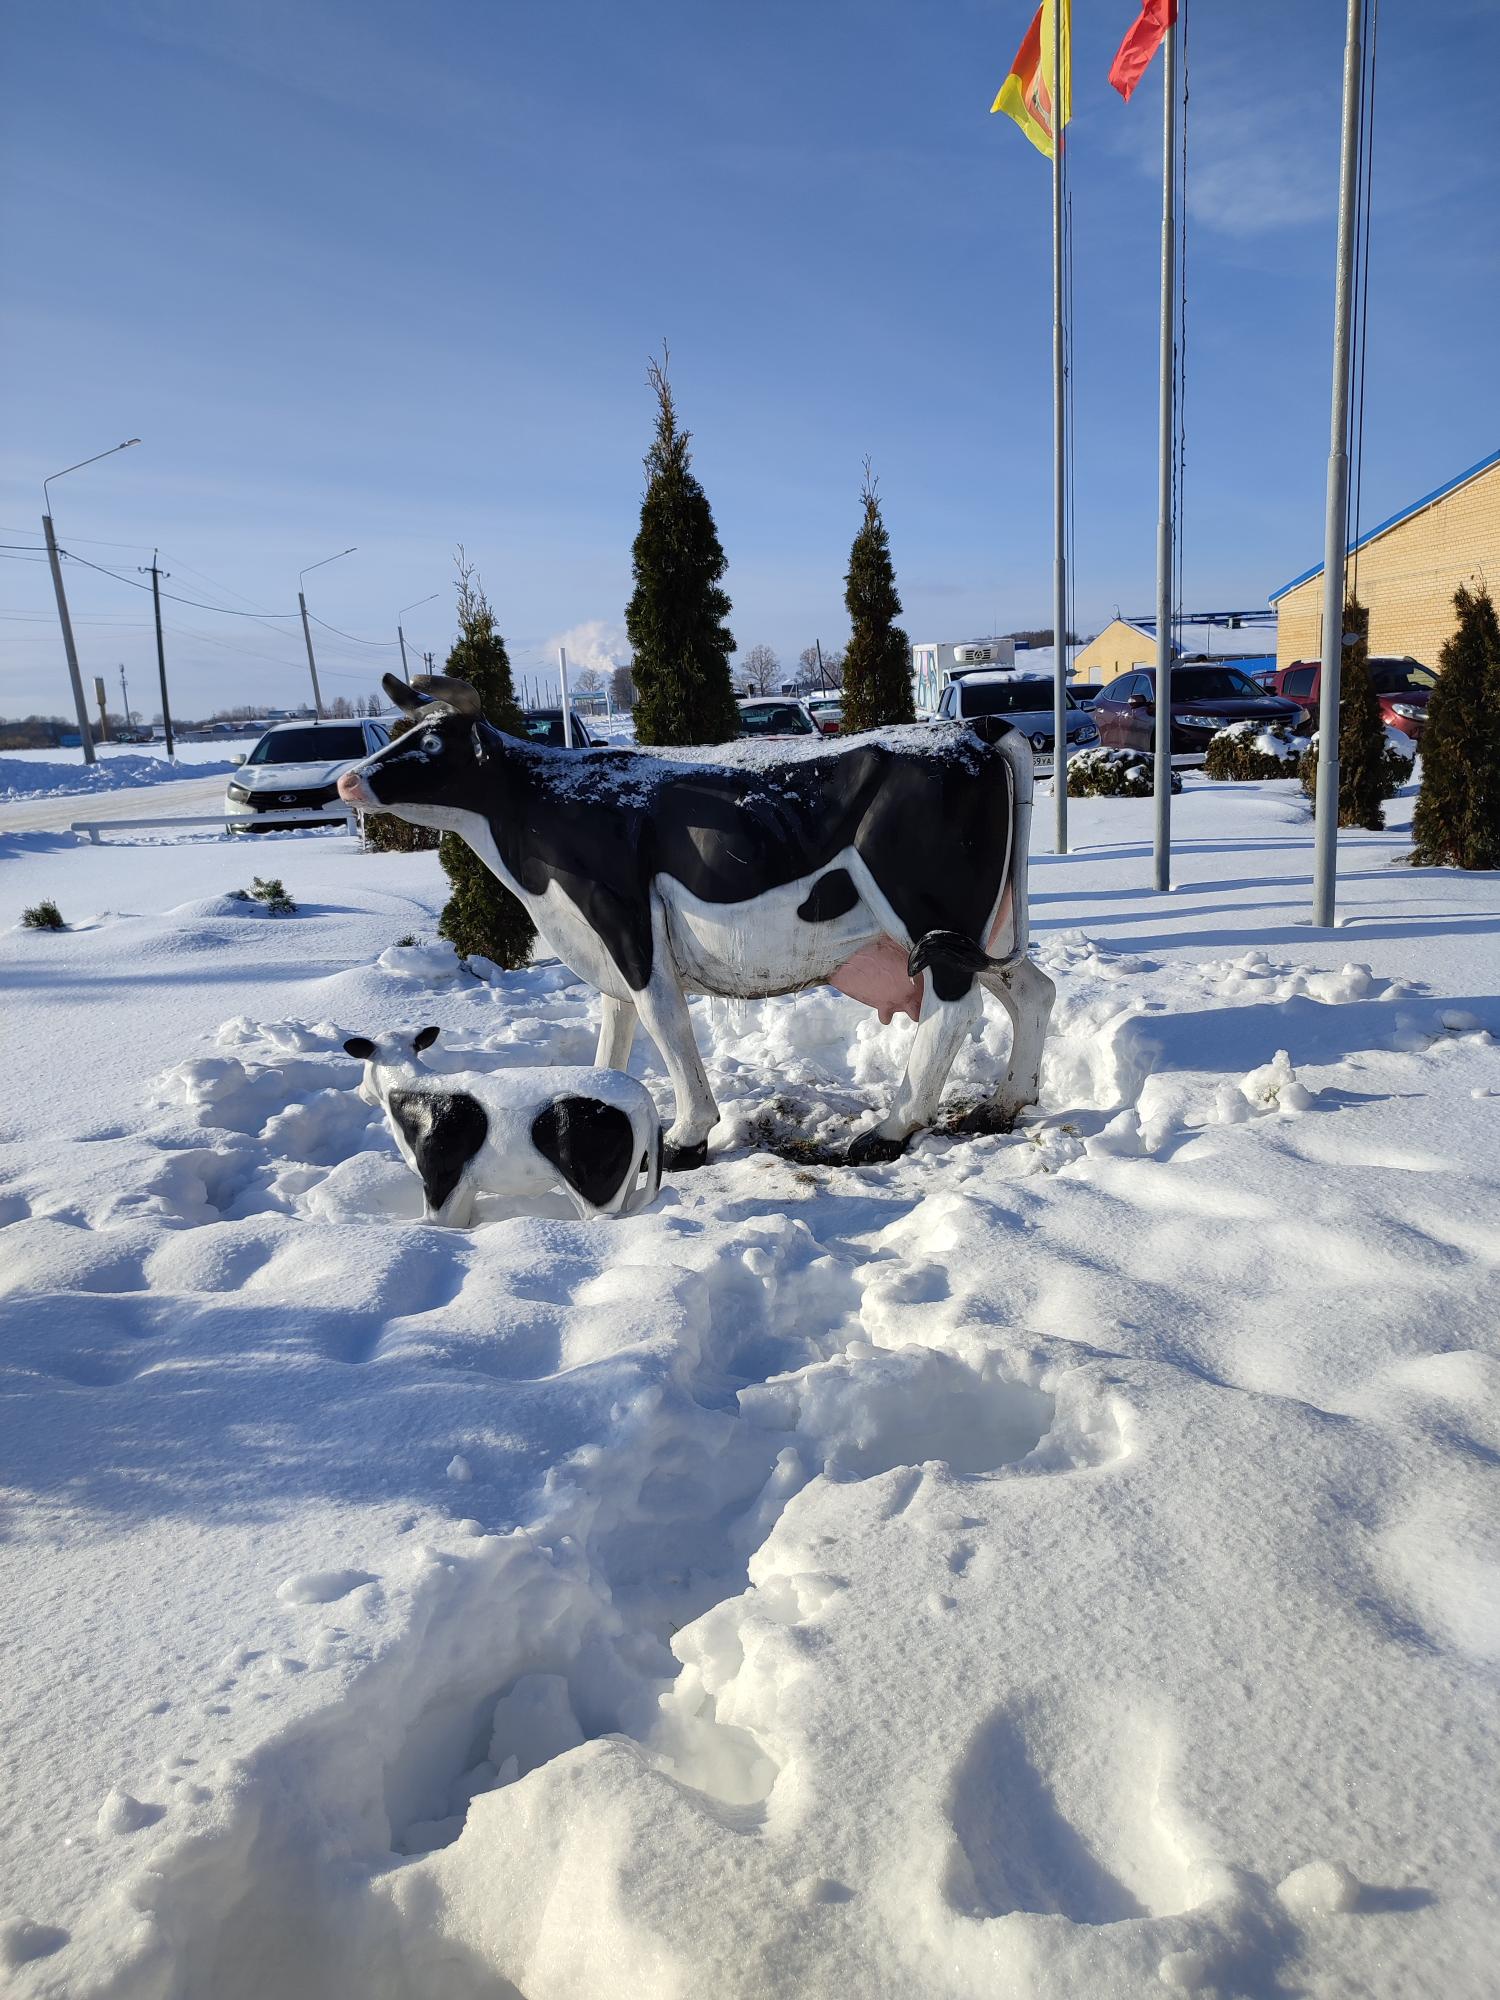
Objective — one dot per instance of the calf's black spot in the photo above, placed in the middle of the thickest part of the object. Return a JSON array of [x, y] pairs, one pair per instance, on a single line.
[[444, 1129], [590, 1143], [832, 895]]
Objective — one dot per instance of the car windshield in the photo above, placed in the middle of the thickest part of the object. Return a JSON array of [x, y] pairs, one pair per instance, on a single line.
[[1400, 677], [775, 719], [1213, 684], [545, 729], [1008, 697], [308, 746]]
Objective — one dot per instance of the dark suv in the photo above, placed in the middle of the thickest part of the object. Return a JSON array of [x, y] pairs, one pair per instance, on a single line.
[[1204, 701]]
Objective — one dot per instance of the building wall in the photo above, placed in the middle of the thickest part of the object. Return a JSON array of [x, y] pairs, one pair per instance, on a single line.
[[1407, 577], [1118, 649]]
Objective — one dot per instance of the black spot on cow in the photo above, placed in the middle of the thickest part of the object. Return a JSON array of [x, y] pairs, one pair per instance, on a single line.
[[832, 895], [444, 1129], [591, 1144]]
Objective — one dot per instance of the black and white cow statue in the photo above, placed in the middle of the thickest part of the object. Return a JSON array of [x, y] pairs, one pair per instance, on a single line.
[[890, 865], [594, 1133]]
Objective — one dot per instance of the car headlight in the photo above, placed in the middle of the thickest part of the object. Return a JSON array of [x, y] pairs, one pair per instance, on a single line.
[[1039, 741], [238, 793], [1200, 721], [1407, 708], [1088, 734]]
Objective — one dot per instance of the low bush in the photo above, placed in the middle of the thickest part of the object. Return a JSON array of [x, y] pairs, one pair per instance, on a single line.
[[45, 916], [1397, 761], [1251, 750], [271, 893], [1114, 774]]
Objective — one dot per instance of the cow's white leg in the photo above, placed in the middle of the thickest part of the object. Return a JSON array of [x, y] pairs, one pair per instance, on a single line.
[[1026, 994], [457, 1211], [664, 1014], [940, 1033], [616, 1034]]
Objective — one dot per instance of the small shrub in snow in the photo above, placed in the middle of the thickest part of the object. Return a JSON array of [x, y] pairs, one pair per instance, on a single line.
[[45, 916], [1398, 757], [272, 894], [1250, 750], [405, 943], [1114, 774]]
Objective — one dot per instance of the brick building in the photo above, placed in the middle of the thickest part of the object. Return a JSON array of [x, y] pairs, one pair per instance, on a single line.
[[1406, 571]]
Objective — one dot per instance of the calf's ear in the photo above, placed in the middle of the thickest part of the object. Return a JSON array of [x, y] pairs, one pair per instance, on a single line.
[[358, 1047], [407, 699], [424, 1039]]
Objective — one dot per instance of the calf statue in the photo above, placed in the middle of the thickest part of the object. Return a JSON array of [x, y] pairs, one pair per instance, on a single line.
[[890, 865], [593, 1133]]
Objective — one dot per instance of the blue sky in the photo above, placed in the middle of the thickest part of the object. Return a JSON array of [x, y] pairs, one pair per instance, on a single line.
[[388, 275]]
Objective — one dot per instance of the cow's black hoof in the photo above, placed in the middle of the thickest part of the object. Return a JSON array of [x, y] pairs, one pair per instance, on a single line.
[[683, 1159], [870, 1149]]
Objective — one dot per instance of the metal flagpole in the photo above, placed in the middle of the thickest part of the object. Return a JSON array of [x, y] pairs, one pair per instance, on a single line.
[[1336, 520], [1162, 848], [1059, 390], [562, 682]]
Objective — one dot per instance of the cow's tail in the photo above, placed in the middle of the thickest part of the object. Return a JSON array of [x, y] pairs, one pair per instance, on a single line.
[[648, 1160], [953, 949]]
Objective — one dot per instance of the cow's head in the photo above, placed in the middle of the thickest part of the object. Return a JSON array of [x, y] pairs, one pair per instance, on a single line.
[[430, 773], [388, 1052]]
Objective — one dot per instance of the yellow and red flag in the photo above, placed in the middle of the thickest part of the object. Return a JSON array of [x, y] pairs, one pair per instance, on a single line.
[[1030, 92], [1140, 44]]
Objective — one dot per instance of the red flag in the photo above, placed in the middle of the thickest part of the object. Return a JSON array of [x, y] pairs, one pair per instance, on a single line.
[[1141, 43]]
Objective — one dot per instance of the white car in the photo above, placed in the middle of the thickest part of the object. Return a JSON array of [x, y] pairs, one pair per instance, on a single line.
[[296, 767], [1025, 700], [775, 715]]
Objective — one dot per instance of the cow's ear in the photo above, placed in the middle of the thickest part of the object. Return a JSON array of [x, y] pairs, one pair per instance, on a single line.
[[358, 1047], [407, 699], [424, 1039]]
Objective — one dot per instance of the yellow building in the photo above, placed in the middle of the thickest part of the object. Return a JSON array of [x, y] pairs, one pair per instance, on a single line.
[[1406, 571], [1120, 647]]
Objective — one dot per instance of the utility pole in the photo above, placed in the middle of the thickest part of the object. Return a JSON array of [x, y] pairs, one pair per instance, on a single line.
[[822, 677], [102, 705], [80, 706], [400, 634], [562, 682], [125, 698], [161, 656], [312, 665], [1162, 762], [1336, 517]]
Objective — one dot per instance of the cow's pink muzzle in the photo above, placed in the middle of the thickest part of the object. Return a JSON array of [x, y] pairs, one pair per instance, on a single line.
[[355, 792]]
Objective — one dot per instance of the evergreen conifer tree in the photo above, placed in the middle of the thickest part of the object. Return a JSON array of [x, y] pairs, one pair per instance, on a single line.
[[481, 917], [877, 663], [1457, 821], [675, 617], [1362, 767]]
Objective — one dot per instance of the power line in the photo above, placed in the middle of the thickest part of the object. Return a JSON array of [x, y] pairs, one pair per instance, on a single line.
[[389, 644]]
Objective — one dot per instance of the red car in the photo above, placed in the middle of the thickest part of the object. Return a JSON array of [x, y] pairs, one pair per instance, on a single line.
[[1205, 699], [1402, 687]]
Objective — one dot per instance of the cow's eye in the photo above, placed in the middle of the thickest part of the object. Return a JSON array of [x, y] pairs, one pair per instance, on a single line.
[[432, 742]]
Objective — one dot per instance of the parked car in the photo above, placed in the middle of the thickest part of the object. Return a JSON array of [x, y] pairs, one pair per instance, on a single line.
[[1204, 701], [296, 766], [1026, 702], [827, 710], [1084, 693], [776, 715], [545, 725], [1403, 687]]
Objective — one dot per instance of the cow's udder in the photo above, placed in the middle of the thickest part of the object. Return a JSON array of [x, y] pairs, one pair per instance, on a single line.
[[877, 976]]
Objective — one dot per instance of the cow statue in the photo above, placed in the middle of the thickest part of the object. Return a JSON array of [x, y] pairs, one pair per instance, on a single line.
[[513, 1131], [890, 865]]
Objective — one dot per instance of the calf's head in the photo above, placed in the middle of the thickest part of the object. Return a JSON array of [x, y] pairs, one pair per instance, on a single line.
[[431, 773], [387, 1052]]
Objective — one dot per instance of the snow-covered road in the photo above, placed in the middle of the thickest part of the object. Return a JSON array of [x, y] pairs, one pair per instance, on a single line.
[[1060, 1565], [48, 813]]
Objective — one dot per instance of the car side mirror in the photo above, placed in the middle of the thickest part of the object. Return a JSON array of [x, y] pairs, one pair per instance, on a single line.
[[238, 757], [1137, 701]]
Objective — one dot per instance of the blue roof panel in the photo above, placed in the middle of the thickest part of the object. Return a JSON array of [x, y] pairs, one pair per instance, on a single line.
[[1427, 499]]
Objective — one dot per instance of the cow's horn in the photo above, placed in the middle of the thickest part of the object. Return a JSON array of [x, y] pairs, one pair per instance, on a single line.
[[406, 699], [459, 695]]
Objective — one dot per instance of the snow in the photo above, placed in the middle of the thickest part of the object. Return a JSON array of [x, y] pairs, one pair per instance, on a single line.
[[1057, 1563], [30, 774]]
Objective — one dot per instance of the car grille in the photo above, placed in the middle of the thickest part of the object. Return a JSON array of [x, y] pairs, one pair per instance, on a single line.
[[306, 801]]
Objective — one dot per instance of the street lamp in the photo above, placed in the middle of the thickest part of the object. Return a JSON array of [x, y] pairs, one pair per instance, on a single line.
[[84, 731], [312, 665], [400, 634]]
